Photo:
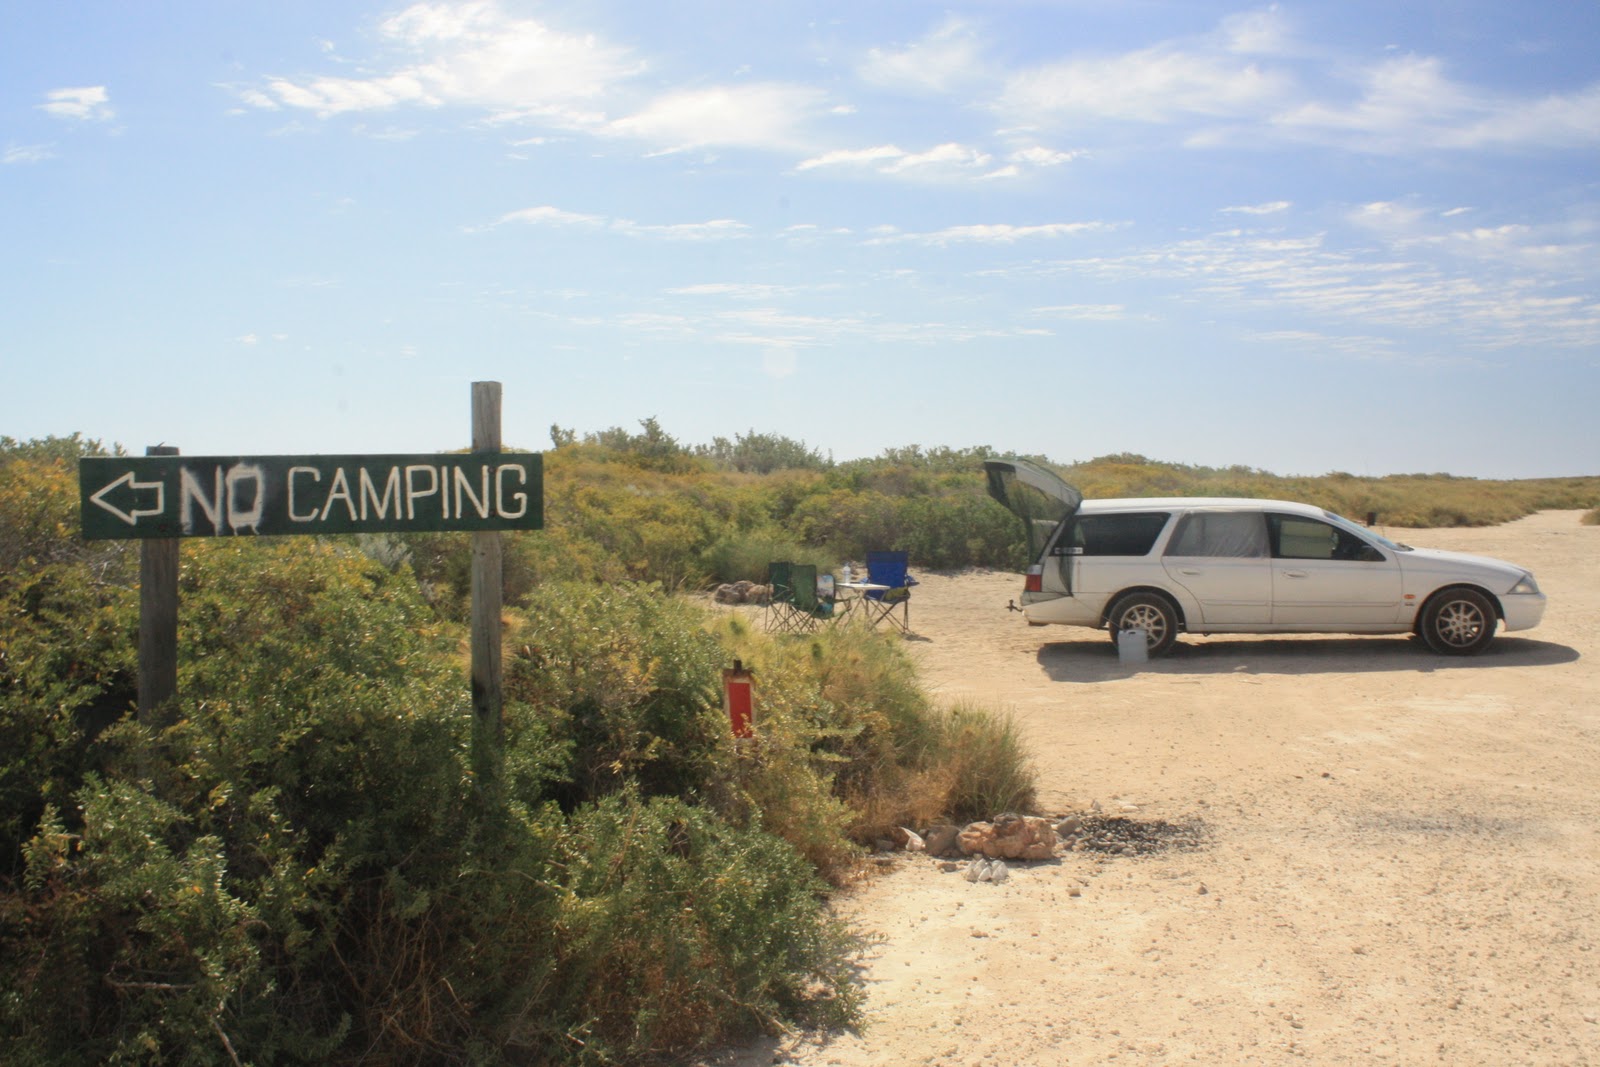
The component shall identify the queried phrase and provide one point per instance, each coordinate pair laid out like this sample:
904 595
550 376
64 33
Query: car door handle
1294 574
1189 570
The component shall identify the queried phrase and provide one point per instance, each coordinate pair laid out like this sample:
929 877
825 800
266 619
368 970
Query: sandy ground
1400 865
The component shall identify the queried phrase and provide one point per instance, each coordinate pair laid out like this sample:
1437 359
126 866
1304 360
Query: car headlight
1527 586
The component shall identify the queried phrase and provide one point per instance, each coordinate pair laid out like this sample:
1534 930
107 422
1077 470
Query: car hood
1495 573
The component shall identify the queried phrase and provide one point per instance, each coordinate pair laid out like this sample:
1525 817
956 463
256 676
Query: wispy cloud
1084 312
711 230
736 290
948 57
771 115
945 162
1409 103
477 57
992 233
1152 85
1399 283
471 55
27 153
1274 207
89 103
1251 83
546 215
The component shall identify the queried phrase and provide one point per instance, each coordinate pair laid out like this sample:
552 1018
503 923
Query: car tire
1457 622
1150 612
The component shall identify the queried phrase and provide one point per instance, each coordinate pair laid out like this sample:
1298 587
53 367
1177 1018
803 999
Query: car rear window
1133 534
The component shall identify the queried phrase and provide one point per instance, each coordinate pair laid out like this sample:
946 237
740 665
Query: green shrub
138 947
628 679
849 744
677 931
984 759
744 555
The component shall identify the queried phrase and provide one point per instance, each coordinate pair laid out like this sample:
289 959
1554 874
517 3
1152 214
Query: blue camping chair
894 603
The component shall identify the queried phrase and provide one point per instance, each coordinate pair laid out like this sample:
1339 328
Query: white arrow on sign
133 516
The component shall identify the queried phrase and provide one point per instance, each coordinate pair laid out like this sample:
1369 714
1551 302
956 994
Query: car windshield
1368 533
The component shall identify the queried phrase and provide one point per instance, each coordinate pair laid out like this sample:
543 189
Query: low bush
744 555
848 743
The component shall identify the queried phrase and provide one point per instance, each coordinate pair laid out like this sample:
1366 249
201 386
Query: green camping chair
809 607
781 616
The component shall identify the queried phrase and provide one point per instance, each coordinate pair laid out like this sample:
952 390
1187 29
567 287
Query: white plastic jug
1133 646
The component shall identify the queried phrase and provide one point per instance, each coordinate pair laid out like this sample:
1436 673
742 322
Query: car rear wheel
1457 622
1147 612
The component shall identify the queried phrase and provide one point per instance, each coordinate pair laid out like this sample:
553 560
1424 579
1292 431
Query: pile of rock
742 592
1006 837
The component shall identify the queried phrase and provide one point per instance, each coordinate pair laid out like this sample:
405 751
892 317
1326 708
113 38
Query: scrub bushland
304 861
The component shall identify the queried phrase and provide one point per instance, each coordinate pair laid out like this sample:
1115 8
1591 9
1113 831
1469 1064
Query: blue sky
1304 237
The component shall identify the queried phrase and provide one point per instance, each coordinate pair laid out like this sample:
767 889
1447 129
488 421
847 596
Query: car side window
1294 537
1114 535
1221 534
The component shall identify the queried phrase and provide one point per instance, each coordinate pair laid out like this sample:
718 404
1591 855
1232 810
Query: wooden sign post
487 572
158 620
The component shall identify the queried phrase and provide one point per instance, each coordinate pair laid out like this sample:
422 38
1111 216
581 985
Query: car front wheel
1458 622
1147 612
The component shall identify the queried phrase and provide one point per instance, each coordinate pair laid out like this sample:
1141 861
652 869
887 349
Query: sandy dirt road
1400 861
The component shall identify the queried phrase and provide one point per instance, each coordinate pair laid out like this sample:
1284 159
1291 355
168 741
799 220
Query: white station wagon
1214 565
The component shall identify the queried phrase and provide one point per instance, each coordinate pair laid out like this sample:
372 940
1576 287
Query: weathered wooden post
158 620
487 698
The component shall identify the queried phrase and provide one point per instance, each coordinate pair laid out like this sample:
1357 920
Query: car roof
1176 503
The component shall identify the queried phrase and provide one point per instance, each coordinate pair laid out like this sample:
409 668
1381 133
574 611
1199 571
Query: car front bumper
1522 610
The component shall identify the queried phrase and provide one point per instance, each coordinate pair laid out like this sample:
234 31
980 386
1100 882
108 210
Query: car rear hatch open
1042 501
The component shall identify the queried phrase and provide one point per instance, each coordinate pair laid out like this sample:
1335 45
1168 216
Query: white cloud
1263 32
1409 103
945 155
767 115
1042 157
737 290
715 229
1487 288
1552 248
1274 207
1152 85
1558 121
1085 312
992 233
476 55
552 216
27 153
471 54
946 58
85 103
939 163
844 157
